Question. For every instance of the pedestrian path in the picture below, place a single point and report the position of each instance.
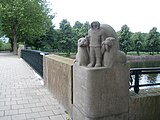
(22, 96)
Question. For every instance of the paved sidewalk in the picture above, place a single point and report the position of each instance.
(22, 96)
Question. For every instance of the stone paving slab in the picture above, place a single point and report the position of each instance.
(22, 95)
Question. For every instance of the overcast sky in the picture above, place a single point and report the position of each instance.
(139, 15)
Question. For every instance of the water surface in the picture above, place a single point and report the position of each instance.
(147, 78)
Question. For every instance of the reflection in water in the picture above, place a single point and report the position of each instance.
(151, 78)
(147, 78)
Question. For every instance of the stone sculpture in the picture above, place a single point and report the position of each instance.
(121, 57)
(111, 54)
(100, 47)
(100, 88)
(82, 56)
(95, 37)
(109, 51)
(21, 47)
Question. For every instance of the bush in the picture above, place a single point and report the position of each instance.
(1, 44)
(5, 46)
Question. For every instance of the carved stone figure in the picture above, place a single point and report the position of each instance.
(109, 51)
(111, 54)
(21, 47)
(100, 47)
(95, 36)
(121, 57)
(82, 56)
(109, 31)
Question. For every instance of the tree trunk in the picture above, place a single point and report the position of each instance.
(15, 50)
(138, 52)
(11, 41)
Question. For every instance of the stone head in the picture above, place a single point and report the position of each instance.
(95, 25)
(82, 42)
(109, 43)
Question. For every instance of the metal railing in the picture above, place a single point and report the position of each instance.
(35, 59)
(139, 71)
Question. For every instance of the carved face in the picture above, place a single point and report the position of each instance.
(108, 44)
(109, 41)
(82, 42)
(95, 25)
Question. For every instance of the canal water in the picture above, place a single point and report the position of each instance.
(147, 78)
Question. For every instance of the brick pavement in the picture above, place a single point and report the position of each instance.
(22, 96)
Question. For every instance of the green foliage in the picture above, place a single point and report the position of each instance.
(153, 40)
(84, 29)
(62, 40)
(29, 22)
(52, 38)
(124, 39)
(21, 19)
(79, 30)
(143, 37)
(66, 35)
(76, 33)
(1, 34)
(1, 44)
(137, 40)
(5, 46)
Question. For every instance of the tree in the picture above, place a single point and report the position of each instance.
(158, 46)
(1, 43)
(143, 37)
(124, 38)
(21, 19)
(76, 33)
(84, 29)
(79, 30)
(1, 34)
(137, 40)
(153, 40)
(66, 41)
(50, 40)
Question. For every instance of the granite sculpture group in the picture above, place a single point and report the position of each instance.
(100, 48)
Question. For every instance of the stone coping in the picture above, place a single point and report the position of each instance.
(145, 92)
(143, 58)
(61, 59)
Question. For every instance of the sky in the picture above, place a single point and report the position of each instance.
(138, 15)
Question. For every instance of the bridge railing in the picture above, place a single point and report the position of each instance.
(139, 71)
(35, 59)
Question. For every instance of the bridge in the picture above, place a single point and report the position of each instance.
(22, 93)
(35, 59)
(24, 96)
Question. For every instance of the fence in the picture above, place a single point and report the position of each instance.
(35, 59)
(138, 71)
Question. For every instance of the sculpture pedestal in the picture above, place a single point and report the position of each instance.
(21, 47)
(101, 93)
